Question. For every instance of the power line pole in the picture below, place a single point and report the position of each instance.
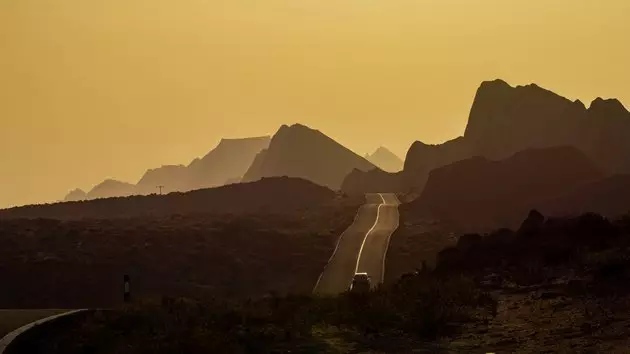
(160, 187)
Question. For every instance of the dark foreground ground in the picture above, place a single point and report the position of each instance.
(47, 263)
(555, 286)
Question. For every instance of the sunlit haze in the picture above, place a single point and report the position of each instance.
(97, 89)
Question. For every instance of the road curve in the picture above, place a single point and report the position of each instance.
(9, 338)
(363, 246)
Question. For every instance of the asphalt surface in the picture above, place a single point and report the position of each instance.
(9, 338)
(11, 319)
(363, 246)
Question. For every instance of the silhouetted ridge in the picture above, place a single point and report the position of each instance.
(422, 158)
(385, 160)
(299, 151)
(504, 120)
(75, 195)
(478, 193)
(268, 195)
(608, 197)
(611, 107)
(376, 180)
(172, 177)
(111, 187)
(228, 161)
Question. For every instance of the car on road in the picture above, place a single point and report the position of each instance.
(361, 283)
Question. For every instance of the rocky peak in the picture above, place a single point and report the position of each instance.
(385, 160)
(299, 151)
(607, 107)
(111, 188)
(229, 143)
(293, 130)
(75, 195)
(505, 119)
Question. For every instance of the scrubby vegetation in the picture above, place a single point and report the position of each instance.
(561, 284)
(588, 247)
(73, 264)
(553, 285)
(416, 309)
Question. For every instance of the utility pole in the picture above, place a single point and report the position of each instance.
(160, 187)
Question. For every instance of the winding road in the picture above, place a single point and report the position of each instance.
(363, 246)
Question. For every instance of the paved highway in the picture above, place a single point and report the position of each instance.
(362, 247)
(9, 338)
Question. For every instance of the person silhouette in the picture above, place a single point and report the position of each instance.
(127, 288)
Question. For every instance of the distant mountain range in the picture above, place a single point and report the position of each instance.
(504, 120)
(507, 126)
(228, 162)
(299, 151)
(385, 160)
(294, 151)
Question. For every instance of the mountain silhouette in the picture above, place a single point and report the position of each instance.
(609, 128)
(478, 193)
(75, 195)
(172, 178)
(268, 195)
(358, 182)
(299, 151)
(111, 187)
(422, 158)
(504, 120)
(227, 162)
(385, 160)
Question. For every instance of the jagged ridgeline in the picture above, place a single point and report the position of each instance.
(504, 120)
(299, 151)
(227, 163)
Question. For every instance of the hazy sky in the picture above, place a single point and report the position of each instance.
(91, 89)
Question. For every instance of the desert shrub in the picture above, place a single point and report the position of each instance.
(556, 255)
(469, 241)
(542, 245)
(420, 305)
(192, 256)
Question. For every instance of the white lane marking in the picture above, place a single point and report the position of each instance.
(336, 247)
(378, 213)
(389, 239)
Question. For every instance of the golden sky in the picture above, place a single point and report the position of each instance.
(91, 89)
